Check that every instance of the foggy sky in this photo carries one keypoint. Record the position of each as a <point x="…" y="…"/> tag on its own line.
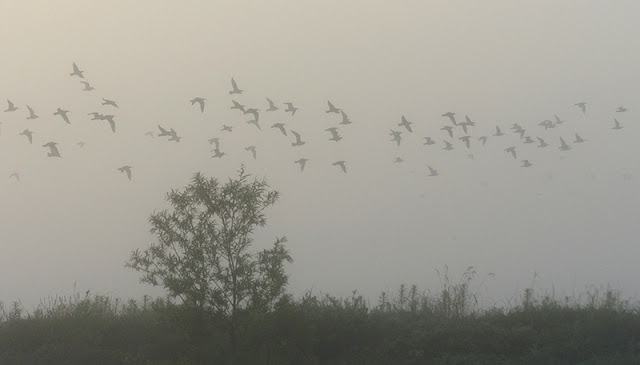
<point x="571" y="218"/>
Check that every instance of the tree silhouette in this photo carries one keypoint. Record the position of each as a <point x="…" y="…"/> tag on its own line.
<point x="203" y="251"/>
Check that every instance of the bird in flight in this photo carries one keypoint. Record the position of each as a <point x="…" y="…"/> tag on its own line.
<point x="334" y="134"/>
<point x="299" y="141"/>
<point x="398" y="160"/>
<point x="111" y="121"/>
<point x="617" y="124"/>
<point x="578" y="139"/>
<point x="87" y="86"/>
<point x="466" y="140"/>
<point x="215" y="141"/>
<point x="150" y="134"/>
<point x="10" y="107"/>
<point x="558" y="120"/>
<point x="396" y="136"/>
<point x="547" y="124"/>
<point x="163" y="132"/>
<point x="255" y="112"/>
<point x="53" y="149"/>
<point x="345" y="118"/>
<point x="528" y="140"/>
<point x="432" y="171"/>
<point x="15" y="175"/>
<point x="582" y="106"/>
<point x="526" y="163"/>
<point x="280" y="126"/>
<point x="226" y="128"/>
<point x="302" y="162"/>
<point x="272" y="106"/>
<point x="252" y="149"/>
<point x="200" y="101"/>
<point x="77" y="71"/>
<point x="405" y="123"/>
<point x="174" y="136"/>
<point x="80" y="144"/>
<point x="109" y="103"/>
<point x="451" y="116"/>
<point x="217" y="153"/>
<point x="29" y="134"/>
<point x="449" y="130"/>
<point x="447" y="146"/>
<point x="254" y="122"/>
<point x="542" y="143"/>
<point x="621" y="109"/>
<point x="483" y="139"/>
<point x="563" y="145"/>
<point x="428" y="141"/>
<point x="32" y="114"/>
<point x="498" y="132"/>
<point x="63" y="114"/>
<point x="234" y="87"/>
<point x="126" y="170"/>
<point x="342" y="164"/>
<point x="237" y="106"/>
<point x="332" y="108"/>
<point x="511" y="150"/>
<point x="290" y="109"/>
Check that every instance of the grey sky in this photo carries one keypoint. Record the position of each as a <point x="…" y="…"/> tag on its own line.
<point x="571" y="217"/>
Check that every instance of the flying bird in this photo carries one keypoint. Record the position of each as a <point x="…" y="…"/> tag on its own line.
<point x="234" y="87"/>
<point x="483" y="139"/>
<point x="237" y="106"/>
<point x="53" y="149"/>
<point x="466" y="140"/>
<point x="528" y="140"/>
<point x="582" y="106"/>
<point x="10" y="107"/>
<point x="563" y="145"/>
<point x="226" y="128"/>
<point x="447" y="146"/>
<point x="526" y="163"/>
<point x="29" y="134"/>
<point x="254" y="122"/>
<point x="80" y="144"/>
<point x="163" y="132"/>
<point x="109" y="103"/>
<point x="302" y="162"/>
<point x="398" y="160"/>
<point x="542" y="143"/>
<point x="251" y="149"/>
<point x="77" y="71"/>
<point x="63" y="114"/>
<point x="578" y="139"/>
<point x="428" y="141"/>
<point x="111" y="121"/>
<point x="255" y="112"/>
<point x="498" y="132"/>
<point x="342" y="164"/>
<point x="126" y="170"/>
<point x="332" y="108"/>
<point x="617" y="124"/>
<point x="32" y="114"/>
<point x="280" y="126"/>
<point x="511" y="150"/>
<point x="451" y="116"/>
<point x="405" y="123"/>
<point x="150" y="134"/>
<point x="449" y="130"/>
<point x="345" y="118"/>
<point x="396" y="136"/>
<point x="174" y="136"/>
<point x="299" y="141"/>
<point x="200" y="101"/>
<point x="217" y="153"/>
<point x="272" y="106"/>
<point x="87" y="86"/>
<point x="290" y="109"/>
<point x="432" y="171"/>
<point x="558" y="120"/>
<point x="334" y="134"/>
<point x="215" y="141"/>
<point x="621" y="109"/>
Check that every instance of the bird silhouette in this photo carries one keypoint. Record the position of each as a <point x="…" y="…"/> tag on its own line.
<point x="77" y="71"/>
<point x="563" y="145"/>
<point x="32" y="114"/>
<point x="110" y="119"/>
<point x="342" y="164"/>
<point x="53" y="149"/>
<point x="237" y="106"/>
<point x="174" y="136"/>
<point x="528" y="140"/>
<point x="621" y="109"/>
<point x="299" y="141"/>
<point x="447" y="146"/>
<point x="578" y="139"/>
<point x="200" y="101"/>
<point x="290" y="109"/>
<point x="547" y="124"/>
<point x="428" y="141"/>
<point x="558" y="120"/>
<point x="281" y="127"/>
<point x="80" y="144"/>
<point x="272" y="106"/>
<point x="251" y="149"/>
<point x="87" y="86"/>
<point x="302" y="162"/>
<point x="253" y="111"/>
<point x="217" y="153"/>
<point x="449" y="130"/>
<point x="109" y="103"/>
<point x="234" y="87"/>
<point x="10" y="107"/>
<point x="226" y="128"/>
<point x="334" y="134"/>
<point x="542" y="143"/>
<point x="511" y="150"/>
<point x="163" y="132"/>
<point x="451" y="116"/>
<point x="254" y="122"/>
<point x="617" y="124"/>
<point x="432" y="171"/>
<point x="398" y="160"/>
<point x="345" y="118"/>
<point x="332" y="108"/>
<point x="126" y="170"/>
<point x="483" y="139"/>
<point x="498" y="132"/>
<point x="63" y="114"/>
<point x="405" y="123"/>
<point x="396" y="136"/>
<point x="466" y="140"/>
<point x="29" y="134"/>
<point x="526" y="163"/>
<point x="582" y="106"/>
<point x="215" y="141"/>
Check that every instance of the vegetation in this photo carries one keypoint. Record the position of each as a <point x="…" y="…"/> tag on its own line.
<point x="226" y="304"/>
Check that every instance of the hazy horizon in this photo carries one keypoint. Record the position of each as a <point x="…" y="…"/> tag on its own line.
<point x="569" y="218"/>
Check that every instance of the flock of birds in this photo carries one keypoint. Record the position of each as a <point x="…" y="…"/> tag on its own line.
<point x="453" y="131"/>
